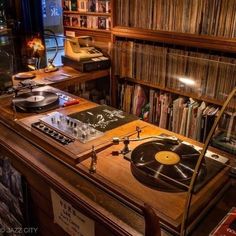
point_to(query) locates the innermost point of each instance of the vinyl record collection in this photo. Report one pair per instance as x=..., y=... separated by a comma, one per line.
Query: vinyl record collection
x=89, y=22
x=209, y=17
x=176, y=69
x=101, y=6
x=179, y=114
x=83, y=20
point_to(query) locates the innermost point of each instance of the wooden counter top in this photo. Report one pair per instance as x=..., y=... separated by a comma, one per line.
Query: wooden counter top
x=56, y=79
x=115, y=170
x=112, y=188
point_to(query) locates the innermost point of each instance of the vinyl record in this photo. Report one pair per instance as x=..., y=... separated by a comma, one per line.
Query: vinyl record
x=164, y=165
x=24, y=75
x=36, y=100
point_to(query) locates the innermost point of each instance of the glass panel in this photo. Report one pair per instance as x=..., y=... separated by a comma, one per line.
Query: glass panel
x=52, y=20
x=174, y=88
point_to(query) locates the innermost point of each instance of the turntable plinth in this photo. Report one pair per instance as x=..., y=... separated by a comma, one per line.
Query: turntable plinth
x=115, y=171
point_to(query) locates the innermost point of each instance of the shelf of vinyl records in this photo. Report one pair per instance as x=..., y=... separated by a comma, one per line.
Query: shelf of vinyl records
x=90, y=22
x=190, y=72
x=86, y=6
x=176, y=92
x=206, y=24
x=178, y=38
x=180, y=114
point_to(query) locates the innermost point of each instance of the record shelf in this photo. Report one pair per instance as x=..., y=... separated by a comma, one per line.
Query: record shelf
x=178, y=38
x=192, y=39
x=132, y=27
x=201, y=98
x=91, y=18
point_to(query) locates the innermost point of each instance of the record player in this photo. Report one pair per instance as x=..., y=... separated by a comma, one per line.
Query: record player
x=154, y=167
x=32, y=97
x=169, y=166
x=35, y=101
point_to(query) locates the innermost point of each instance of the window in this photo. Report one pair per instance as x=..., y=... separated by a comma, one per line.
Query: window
x=52, y=20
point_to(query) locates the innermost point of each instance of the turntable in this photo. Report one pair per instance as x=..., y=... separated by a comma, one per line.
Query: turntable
x=169, y=166
x=160, y=167
x=158, y=172
x=35, y=101
x=41, y=99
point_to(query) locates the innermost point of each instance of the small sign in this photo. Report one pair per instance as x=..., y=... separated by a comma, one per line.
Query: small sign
x=70, y=219
x=70, y=33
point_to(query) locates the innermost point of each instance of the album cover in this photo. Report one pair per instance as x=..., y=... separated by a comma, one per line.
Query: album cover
x=108, y=6
x=82, y=5
x=101, y=6
x=11, y=197
x=83, y=21
x=227, y=226
x=94, y=20
x=66, y=21
x=92, y=5
x=108, y=23
x=101, y=22
x=75, y=21
x=74, y=6
x=67, y=5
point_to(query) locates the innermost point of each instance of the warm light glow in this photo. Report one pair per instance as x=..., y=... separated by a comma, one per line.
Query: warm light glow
x=36, y=45
x=36, y=50
x=187, y=81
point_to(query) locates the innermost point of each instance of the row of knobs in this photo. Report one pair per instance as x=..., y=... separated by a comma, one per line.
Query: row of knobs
x=54, y=134
x=73, y=127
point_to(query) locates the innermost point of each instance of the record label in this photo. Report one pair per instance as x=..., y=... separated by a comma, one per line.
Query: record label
x=167, y=158
x=35, y=98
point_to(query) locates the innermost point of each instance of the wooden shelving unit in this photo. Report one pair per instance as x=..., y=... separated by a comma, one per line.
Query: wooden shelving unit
x=186, y=36
x=212, y=45
x=191, y=40
x=88, y=29
x=88, y=13
x=92, y=28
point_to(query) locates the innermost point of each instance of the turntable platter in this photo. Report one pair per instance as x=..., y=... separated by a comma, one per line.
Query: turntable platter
x=165, y=166
x=36, y=100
